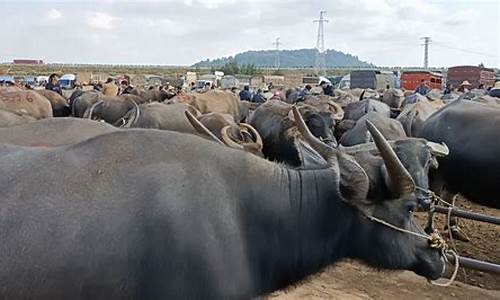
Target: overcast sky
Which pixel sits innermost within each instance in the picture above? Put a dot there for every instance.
(182, 32)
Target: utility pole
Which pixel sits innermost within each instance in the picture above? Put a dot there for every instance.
(277, 45)
(427, 41)
(320, 64)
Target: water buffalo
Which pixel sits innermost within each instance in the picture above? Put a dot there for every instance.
(393, 97)
(8, 119)
(53, 132)
(359, 134)
(160, 116)
(25, 103)
(355, 110)
(60, 106)
(275, 125)
(222, 129)
(413, 116)
(470, 130)
(80, 101)
(112, 108)
(212, 101)
(172, 215)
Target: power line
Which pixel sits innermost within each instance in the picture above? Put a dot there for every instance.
(277, 44)
(427, 42)
(465, 50)
(320, 64)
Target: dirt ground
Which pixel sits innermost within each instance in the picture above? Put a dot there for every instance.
(352, 280)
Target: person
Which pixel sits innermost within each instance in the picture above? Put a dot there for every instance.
(259, 97)
(270, 86)
(327, 88)
(278, 95)
(464, 86)
(423, 88)
(306, 91)
(53, 84)
(245, 94)
(126, 88)
(448, 89)
(495, 90)
(109, 88)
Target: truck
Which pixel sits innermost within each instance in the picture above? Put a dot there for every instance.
(475, 75)
(372, 79)
(410, 80)
(67, 81)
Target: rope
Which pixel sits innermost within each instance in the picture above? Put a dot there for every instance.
(435, 242)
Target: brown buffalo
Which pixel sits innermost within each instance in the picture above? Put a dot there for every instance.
(212, 101)
(8, 119)
(60, 106)
(25, 103)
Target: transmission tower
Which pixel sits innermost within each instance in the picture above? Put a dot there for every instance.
(277, 45)
(427, 41)
(320, 64)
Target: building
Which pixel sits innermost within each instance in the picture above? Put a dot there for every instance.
(27, 62)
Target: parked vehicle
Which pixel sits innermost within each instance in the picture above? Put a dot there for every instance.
(228, 82)
(372, 79)
(410, 80)
(67, 81)
(476, 75)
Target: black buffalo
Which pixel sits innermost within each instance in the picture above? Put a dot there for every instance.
(359, 134)
(355, 110)
(171, 215)
(471, 130)
(275, 125)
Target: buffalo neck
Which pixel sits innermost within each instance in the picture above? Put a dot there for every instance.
(298, 225)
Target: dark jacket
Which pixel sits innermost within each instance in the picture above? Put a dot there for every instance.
(494, 93)
(259, 98)
(54, 87)
(328, 90)
(422, 89)
(128, 90)
(245, 95)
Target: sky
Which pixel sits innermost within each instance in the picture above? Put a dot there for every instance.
(182, 32)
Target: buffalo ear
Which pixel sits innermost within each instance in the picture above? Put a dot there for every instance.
(354, 183)
(309, 158)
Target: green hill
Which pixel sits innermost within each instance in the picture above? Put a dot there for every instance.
(302, 58)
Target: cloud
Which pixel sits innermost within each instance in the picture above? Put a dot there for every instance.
(101, 20)
(385, 32)
(54, 14)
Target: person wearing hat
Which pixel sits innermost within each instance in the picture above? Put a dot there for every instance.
(495, 90)
(464, 87)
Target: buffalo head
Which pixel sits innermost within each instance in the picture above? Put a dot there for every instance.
(376, 243)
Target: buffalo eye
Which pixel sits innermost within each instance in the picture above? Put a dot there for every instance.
(410, 206)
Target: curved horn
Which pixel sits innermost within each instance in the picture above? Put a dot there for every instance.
(324, 150)
(91, 110)
(338, 112)
(256, 136)
(362, 95)
(226, 138)
(400, 181)
(135, 118)
(440, 150)
(200, 128)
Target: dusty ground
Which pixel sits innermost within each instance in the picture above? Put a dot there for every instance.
(352, 280)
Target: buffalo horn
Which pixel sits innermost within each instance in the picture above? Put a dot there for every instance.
(200, 127)
(338, 112)
(256, 136)
(439, 150)
(226, 138)
(324, 150)
(400, 181)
